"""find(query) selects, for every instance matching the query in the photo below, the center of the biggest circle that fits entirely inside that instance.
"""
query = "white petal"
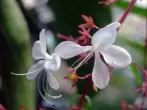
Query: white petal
(100, 73)
(53, 64)
(56, 61)
(52, 81)
(69, 49)
(35, 70)
(37, 52)
(105, 36)
(42, 38)
(116, 56)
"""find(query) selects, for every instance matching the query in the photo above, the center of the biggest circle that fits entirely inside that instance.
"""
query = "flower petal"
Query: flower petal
(100, 73)
(105, 36)
(37, 52)
(42, 38)
(56, 61)
(69, 49)
(52, 81)
(53, 64)
(116, 56)
(35, 70)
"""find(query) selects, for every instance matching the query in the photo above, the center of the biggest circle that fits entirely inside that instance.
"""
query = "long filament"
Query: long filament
(41, 92)
(23, 74)
(46, 93)
(87, 57)
(76, 61)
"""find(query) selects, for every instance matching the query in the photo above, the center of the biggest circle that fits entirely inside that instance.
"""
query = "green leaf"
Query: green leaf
(136, 10)
(135, 74)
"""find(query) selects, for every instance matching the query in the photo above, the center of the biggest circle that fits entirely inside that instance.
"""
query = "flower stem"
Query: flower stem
(82, 99)
(130, 6)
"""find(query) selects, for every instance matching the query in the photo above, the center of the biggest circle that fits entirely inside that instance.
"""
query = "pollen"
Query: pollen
(90, 22)
(73, 76)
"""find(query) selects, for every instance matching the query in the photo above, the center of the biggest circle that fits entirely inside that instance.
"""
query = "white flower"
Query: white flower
(50, 63)
(44, 61)
(102, 41)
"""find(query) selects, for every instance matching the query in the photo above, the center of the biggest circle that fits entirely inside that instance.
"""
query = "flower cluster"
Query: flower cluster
(99, 45)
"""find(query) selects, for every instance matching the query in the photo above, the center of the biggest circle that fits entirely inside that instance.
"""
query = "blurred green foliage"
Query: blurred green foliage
(14, 27)
(136, 74)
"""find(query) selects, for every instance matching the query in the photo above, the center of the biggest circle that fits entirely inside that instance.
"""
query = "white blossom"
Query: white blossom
(102, 43)
(50, 63)
(44, 62)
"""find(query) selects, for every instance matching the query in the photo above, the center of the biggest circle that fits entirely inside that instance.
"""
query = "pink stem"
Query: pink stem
(130, 6)
(82, 99)
(85, 76)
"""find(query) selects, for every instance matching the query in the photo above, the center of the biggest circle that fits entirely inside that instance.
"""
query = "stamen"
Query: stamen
(46, 88)
(41, 92)
(88, 58)
(23, 74)
(77, 61)
(85, 59)
(85, 76)
(73, 76)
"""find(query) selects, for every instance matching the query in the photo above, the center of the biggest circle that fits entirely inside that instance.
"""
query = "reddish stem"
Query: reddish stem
(130, 6)
(84, 77)
(82, 99)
